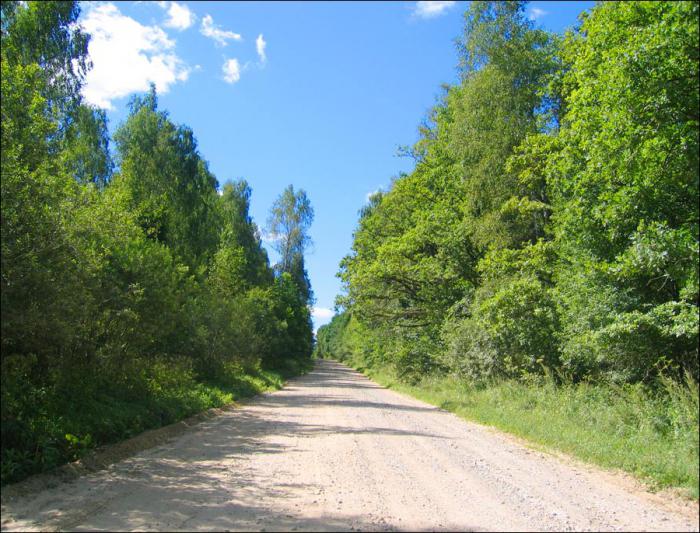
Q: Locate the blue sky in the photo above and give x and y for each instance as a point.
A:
(317, 94)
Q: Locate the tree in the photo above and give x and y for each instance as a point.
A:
(47, 34)
(507, 64)
(417, 250)
(123, 297)
(241, 261)
(43, 56)
(86, 154)
(288, 225)
(165, 180)
(625, 189)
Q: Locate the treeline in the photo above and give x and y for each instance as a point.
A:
(134, 290)
(550, 226)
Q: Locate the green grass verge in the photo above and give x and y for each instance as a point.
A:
(653, 436)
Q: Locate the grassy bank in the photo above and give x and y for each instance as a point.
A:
(653, 436)
(58, 427)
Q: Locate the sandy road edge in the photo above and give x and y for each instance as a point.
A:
(108, 454)
(673, 500)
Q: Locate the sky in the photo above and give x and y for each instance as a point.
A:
(316, 94)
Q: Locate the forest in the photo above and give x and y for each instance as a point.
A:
(135, 288)
(537, 270)
(541, 260)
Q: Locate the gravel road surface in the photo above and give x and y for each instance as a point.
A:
(335, 451)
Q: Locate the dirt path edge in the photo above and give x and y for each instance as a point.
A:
(108, 454)
(672, 499)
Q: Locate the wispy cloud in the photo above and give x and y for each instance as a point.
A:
(179, 15)
(321, 316)
(322, 313)
(232, 71)
(369, 195)
(221, 37)
(536, 13)
(432, 9)
(269, 238)
(127, 56)
(260, 46)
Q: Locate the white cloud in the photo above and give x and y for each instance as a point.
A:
(232, 70)
(127, 56)
(260, 45)
(220, 36)
(372, 193)
(321, 316)
(432, 9)
(179, 15)
(269, 237)
(536, 13)
(322, 313)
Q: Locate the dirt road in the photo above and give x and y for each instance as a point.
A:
(335, 451)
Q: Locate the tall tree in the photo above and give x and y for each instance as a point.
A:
(47, 34)
(288, 225)
(417, 250)
(241, 261)
(44, 55)
(506, 64)
(166, 182)
(86, 153)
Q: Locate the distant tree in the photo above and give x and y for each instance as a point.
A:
(288, 225)
(241, 261)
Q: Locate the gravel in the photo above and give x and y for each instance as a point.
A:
(334, 451)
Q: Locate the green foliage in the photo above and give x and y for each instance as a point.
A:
(507, 64)
(166, 182)
(551, 222)
(56, 428)
(241, 233)
(128, 301)
(288, 225)
(46, 34)
(86, 146)
(508, 326)
(625, 188)
(347, 339)
(330, 336)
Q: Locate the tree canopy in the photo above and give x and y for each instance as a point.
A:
(551, 221)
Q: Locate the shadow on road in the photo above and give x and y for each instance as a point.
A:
(188, 482)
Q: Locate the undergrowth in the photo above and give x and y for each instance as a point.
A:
(59, 425)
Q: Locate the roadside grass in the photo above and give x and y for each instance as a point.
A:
(652, 435)
(61, 427)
